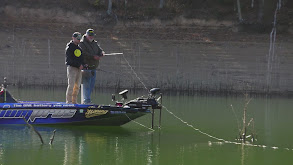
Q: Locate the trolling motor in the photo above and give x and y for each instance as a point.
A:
(154, 91)
(123, 95)
(143, 102)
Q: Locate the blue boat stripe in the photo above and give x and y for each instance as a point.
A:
(12, 114)
(23, 114)
(18, 114)
(7, 114)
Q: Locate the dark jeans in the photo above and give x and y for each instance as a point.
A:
(88, 81)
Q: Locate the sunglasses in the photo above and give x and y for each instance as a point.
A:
(78, 37)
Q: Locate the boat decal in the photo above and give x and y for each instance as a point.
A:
(55, 113)
(25, 105)
(94, 107)
(37, 113)
(15, 114)
(95, 112)
(117, 112)
(6, 106)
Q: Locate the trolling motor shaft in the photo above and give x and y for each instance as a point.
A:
(150, 101)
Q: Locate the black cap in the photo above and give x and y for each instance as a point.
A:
(90, 32)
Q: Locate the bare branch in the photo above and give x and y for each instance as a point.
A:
(52, 138)
(34, 130)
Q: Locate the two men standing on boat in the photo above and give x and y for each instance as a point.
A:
(82, 59)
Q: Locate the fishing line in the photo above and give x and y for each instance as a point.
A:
(197, 129)
(139, 123)
(139, 79)
(219, 139)
(134, 73)
(189, 125)
(140, 82)
(131, 68)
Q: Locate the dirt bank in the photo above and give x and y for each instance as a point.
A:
(190, 55)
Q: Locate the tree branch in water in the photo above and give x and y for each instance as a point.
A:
(34, 130)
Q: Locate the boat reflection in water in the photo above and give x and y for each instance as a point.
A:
(71, 145)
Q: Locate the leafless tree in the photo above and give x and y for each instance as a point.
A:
(260, 11)
(109, 11)
(239, 10)
(161, 4)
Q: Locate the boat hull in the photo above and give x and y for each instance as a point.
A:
(58, 113)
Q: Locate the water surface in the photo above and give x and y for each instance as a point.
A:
(177, 142)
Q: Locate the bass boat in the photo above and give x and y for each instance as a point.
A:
(13, 111)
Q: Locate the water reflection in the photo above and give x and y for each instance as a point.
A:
(71, 145)
(268, 120)
(1, 154)
(74, 152)
(81, 148)
(242, 155)
(66, 154)
(176, 142)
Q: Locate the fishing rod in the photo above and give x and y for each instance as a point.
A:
(112, 54)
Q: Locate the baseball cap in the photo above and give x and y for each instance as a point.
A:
(76, 35)
(90, 32)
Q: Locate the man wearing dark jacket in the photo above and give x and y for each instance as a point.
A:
(92, 53)
(74, 62)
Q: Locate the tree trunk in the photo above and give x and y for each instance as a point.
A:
(239, 10)
(260, 11)
(109, 11)
(161, 4)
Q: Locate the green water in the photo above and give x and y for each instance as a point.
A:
(175, 143)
